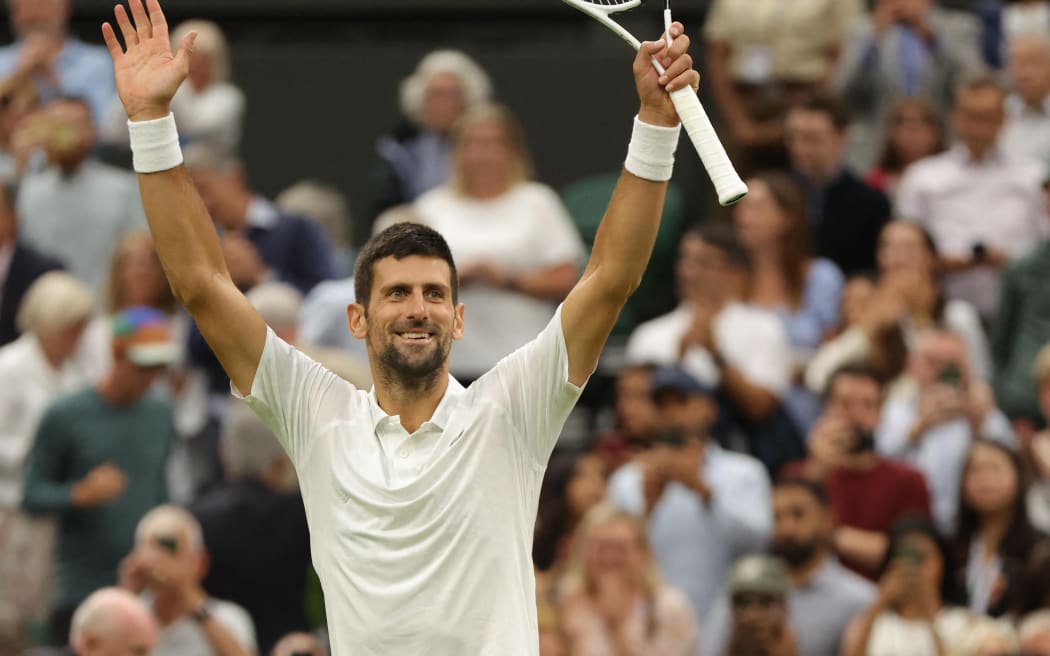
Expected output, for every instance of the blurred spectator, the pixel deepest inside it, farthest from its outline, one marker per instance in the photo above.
(822, 596)
(77, 208)
(635, 414)
(20, 266)
(1027, 130)
(889, 315)
(98, 460)
(168, 561)
(903, 49)
(932, 426)
(255, 529)
(760, 55)
(987, 637)
(994, 537)
(18, 100)
(35, 369)
(803, 291)
(758, 588)
(705, 506)
(111, 622)
(845, 215)
(614, 600)
(516, 248)
(326, 206)
(57, 63)
(208, 106)
(1034, 633)
(323, 320)
(1037, 448)
(867, 492)
(724, 342)
(1020, 330)
(914, 614)
(1033, 590)
(415, 157)
(573, 484)
(953, 194)
(553, 640)
(1026, 17)
(913, 133)
(291, 248)
(298, 644)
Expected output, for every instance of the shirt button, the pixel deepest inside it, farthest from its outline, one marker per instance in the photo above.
(403, 453)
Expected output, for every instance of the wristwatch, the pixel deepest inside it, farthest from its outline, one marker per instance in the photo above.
(201, 614)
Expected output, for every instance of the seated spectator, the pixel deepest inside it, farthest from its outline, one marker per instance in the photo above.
(902, 49)
(762, 55)
(724, 342)
(1026, 134)
(298, 644)
(705, 506)
(168, 562)
(110, 622)
(415, 157)
(97, 462)
(932, 426)
(77, 208)
(803, 291)
(915, 612)
(758, 589)
(57, 63)
(36, 368)
(906, 299)
(292, 248)
(635, 416)
(845, 215)
(914, 132)
(255, 529)
(326, 206)
(994, 537)
(516, 248)
(867, 492)
(953, 194)
(1034, 633)
(822, 596)
(613, 600)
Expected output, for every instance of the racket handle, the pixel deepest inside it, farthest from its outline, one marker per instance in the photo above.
(728, 185)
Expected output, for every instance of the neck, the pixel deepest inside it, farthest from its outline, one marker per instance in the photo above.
(413, 402)
(167, 607)
(110, 389)
(803, 574)
(978, 154)
(993, 530)
(823, 177)
(487, 189)
(51, 355)
(1036, 102)
(69, 168)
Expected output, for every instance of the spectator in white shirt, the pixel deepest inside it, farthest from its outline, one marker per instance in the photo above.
(168, 563)
(1027, 131)
(982, 205)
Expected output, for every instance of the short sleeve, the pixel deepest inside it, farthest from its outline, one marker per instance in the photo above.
(532, 383)
(236, 620)
(294, 395)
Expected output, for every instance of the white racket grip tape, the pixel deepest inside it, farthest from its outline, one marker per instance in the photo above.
(728, 185)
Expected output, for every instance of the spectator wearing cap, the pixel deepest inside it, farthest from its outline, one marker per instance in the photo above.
(823, 596)
(758, 589)
(704, 505)
(98, 462)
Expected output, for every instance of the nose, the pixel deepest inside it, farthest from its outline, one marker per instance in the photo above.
(418, 307)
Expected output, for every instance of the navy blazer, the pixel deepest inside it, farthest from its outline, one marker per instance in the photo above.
(26, 266)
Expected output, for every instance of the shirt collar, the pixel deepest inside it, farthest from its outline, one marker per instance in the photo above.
(262, 214)
(453, 393)
(961, 155)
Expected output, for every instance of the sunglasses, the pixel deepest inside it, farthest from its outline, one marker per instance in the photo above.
(750, 599)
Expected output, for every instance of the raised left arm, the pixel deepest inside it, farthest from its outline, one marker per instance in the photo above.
(625, 238)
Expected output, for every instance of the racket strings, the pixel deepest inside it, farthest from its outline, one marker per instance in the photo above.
(619, 4)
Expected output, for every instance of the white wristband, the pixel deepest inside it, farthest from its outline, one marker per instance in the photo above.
(155, 145)
(650, 155)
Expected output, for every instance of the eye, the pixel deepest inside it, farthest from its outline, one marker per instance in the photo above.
(435, 295)
(397, 292)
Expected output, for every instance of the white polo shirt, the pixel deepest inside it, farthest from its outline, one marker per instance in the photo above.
(423, 542)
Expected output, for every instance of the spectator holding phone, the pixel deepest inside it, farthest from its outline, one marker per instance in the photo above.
(168, 562)
(933, 425)
(758, 588)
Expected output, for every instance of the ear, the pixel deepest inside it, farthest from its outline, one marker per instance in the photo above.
(457, 322)
(356, 319)
(203, 564)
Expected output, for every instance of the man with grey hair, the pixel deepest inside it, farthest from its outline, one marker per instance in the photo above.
(169, 561)
(111, 622)
(1027, 131)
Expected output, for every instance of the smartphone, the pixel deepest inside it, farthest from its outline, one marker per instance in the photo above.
(951, 376)
(863, 441)
(672, 437)
(909, 553)
(168, 543)
(980, 252)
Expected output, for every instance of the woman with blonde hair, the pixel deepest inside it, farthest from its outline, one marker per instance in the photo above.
(516, 248)
(613, 600)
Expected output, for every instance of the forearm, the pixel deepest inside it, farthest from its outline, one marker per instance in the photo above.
(866, 548)
(44, 497)
(754, 402)
(858, 646)
(552, 283)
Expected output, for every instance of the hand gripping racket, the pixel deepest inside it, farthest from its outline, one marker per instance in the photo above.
(728, 185)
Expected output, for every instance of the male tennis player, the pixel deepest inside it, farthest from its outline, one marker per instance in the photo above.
(421, 495)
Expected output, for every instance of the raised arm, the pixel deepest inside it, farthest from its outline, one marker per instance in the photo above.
(147, 75)
(627, 233)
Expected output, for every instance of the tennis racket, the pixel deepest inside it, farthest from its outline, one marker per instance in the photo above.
(728, 185)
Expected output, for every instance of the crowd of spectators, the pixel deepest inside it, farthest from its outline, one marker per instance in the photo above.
(835, 441)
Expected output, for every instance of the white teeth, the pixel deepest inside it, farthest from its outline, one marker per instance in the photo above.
(414, 335)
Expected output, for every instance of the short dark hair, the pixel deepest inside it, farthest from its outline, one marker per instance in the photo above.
(722, 236)
(399, 241)
(827, 104)
(854, 370)
(815, 489)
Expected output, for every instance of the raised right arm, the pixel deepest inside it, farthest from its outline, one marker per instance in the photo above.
(147, 75)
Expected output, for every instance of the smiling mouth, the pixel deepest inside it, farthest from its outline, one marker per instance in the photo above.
(420, 337)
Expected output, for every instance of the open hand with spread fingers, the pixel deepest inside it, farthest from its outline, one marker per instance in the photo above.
(147, 72)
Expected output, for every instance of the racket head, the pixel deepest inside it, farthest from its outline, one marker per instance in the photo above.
(607, 7)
